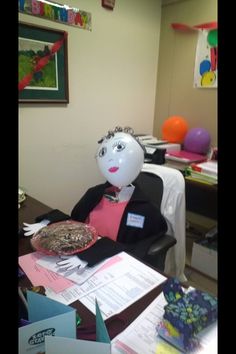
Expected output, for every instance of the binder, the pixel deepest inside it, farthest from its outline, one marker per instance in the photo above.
(185, 156)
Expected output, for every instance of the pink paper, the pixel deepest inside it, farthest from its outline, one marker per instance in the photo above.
(110, 262)
(42, 276)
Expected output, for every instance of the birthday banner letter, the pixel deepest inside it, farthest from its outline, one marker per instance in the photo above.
(52, 11)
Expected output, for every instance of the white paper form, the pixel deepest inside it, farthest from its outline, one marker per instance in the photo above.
(75, 292)
(141, 336)
(208, 339)
(117, 284)
(124, 283)
(78, 277)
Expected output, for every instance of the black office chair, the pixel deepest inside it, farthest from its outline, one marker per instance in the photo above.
(152, 186)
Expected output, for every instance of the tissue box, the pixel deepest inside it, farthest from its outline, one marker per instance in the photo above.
(204, 257)
(185, 315)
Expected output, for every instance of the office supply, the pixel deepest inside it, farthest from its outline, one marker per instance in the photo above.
(154, 155)
(102, 345)
(123, 272)
(132, 339)
(156, 149)
(47, 317)
(62, 345)
(185, 156)
(150, 140)
(80, 288)
(193, 174)
(200, 179)
(78, 277)
(170, 147)
(207, 167)
(178, 165)
(39, 275)
(120, 285)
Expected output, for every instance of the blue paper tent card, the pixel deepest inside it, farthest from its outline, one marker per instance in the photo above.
(102, 345)
(47, 318)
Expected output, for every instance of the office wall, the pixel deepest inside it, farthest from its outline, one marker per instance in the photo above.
(175, 94)
(112, 81)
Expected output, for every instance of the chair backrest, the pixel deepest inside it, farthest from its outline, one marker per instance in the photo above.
(152, 187)
(172, 205)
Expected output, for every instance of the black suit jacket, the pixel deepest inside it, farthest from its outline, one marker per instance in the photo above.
(135, 239)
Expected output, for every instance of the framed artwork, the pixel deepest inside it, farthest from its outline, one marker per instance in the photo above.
(43, 65)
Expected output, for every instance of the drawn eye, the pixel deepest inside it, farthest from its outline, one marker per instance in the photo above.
(102, 152)
(119, 146)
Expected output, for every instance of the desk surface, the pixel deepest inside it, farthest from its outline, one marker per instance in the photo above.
(27, 213)
(201, 198)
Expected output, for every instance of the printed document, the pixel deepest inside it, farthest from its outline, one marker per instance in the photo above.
(124, 283)
(115, 286)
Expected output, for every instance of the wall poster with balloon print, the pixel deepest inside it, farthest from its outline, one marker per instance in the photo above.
(205, 73)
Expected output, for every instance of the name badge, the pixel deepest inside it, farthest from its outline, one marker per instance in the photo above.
(135, 220)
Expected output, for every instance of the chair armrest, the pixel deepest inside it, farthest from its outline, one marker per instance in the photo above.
(161, 245)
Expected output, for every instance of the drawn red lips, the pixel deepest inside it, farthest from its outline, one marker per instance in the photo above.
(113, 169)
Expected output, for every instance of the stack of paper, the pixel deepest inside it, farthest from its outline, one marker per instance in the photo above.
(116, 282)
(209, 168)
(169, 147)
(150, 140)
(185, 156)
(200, 176)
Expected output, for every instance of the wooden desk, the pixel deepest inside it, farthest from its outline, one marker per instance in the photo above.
(27, 213)
(201, 198)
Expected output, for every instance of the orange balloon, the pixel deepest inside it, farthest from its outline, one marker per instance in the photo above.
(174, 129)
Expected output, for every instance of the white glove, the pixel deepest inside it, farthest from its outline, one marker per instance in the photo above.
(71, 263)
(31, 229)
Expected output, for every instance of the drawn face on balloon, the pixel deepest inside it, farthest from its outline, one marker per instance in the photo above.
(120, 159)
